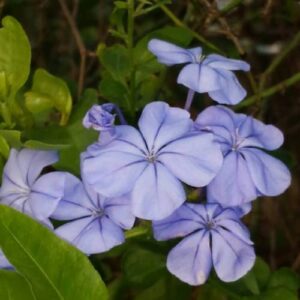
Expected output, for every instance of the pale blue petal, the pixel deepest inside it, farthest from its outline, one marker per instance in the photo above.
(160, 124)
(75, 202)
(4, 263)
(220, 121)
(185, 220)
(230, 90)
(257, 134)
(270, 176)
(170, 54)
(157, 193)
(119, 211)
(217, 61)
(232, 258)
(233, 185)
(190, 260)
(32, 162)
(199, 78)
(113, 173)
(46, 193)
(92, 235)
(194, 159)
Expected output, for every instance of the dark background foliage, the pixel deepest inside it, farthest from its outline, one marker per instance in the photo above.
(65, 35)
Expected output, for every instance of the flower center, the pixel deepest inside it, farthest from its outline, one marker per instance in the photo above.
(98, 213)
(151, 157)
(210, 225)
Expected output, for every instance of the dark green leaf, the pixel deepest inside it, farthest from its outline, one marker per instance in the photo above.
(143, 267)
(55, 269)
(116, 61)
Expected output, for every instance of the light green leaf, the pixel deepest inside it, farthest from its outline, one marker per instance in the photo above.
(13, 137)
(14, 286)
(15, 56)
(4, 147)
(49, 91)
(54, 268)
(44, 146)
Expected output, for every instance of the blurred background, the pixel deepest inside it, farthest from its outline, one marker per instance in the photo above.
(66, 37)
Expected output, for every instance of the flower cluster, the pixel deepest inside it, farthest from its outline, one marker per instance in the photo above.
(145, 172)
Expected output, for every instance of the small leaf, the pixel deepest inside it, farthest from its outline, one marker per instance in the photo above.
(44, 146)
(49, 91)
(54, 268)
(15, 55)
(116, 61)
(286, 278)
(14, 286)
(4, 147)
(13, 137)
(113, 90)
(143, 267)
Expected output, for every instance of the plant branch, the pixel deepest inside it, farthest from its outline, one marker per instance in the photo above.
(80, 45)
(270, 91)
(195, 34)
(279, 58)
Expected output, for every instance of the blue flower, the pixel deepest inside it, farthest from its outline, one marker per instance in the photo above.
(25, 190)
(96, 221)
(151, 163)
(247, 170)
(100, 117)
(210, 74)
(213, 236)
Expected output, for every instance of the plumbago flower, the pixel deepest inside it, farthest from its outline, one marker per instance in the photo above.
(100, 117)
(247, 170)
(25, 190)
(96, 221)
(213, 236)
(151, 163)
(210, 74)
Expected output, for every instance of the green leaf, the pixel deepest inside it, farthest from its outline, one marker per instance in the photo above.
(4, 147)
(286, 278)
(142, 267)
(116, 61)
(74, 135)
(44, 146)
(113, 90)
(278, 293)
(13, 137)
(54, 268)
(261, 272)
(49, 91)
(14, 286)
(15, 56)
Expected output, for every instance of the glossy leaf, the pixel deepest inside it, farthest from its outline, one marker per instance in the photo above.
(14, 286)
(49, 91)
(15, 56)
(54, 268)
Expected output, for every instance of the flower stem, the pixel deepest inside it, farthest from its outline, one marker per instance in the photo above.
(189, 100)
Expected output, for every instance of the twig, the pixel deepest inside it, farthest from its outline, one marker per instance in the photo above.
(279, 59)
(226, 30)
(195, 34)
(80, 45)
(270, 91)
(296, 263)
